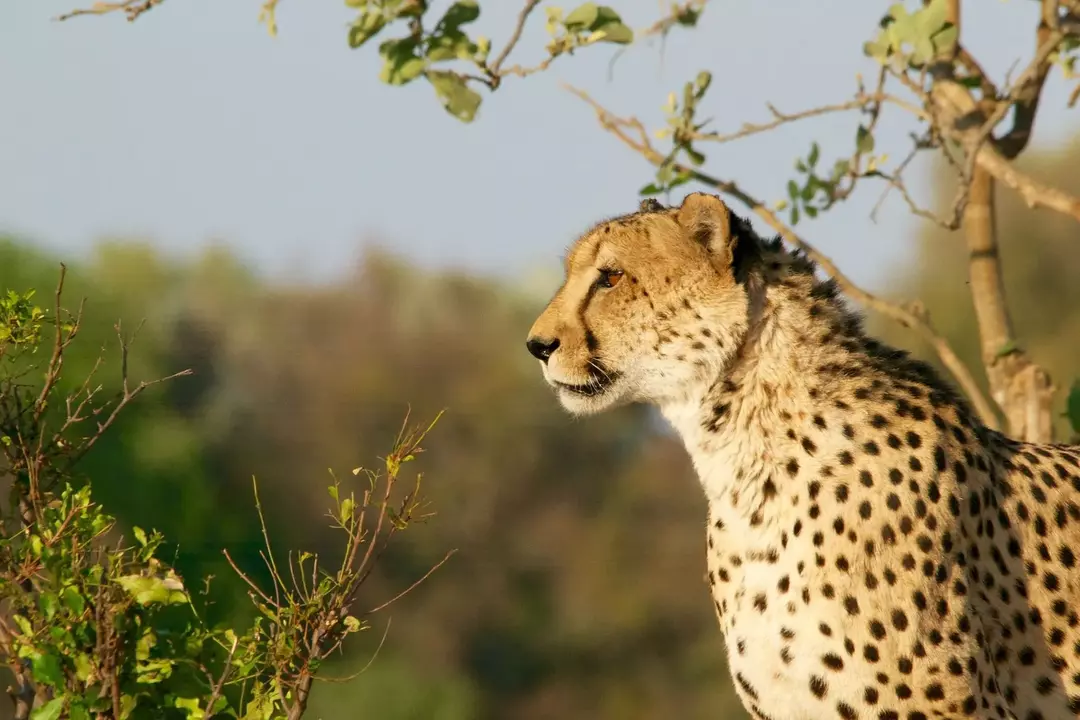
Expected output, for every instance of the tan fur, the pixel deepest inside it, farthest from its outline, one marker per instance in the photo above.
(873, 550)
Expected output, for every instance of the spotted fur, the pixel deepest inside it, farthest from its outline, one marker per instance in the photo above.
(873, 551)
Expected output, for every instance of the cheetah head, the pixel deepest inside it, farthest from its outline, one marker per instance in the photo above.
(653, 305)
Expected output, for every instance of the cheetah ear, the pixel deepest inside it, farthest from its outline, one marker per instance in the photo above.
(709, 222)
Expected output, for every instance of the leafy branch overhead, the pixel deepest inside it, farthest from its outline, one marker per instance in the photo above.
(450, 59)
(923, 70)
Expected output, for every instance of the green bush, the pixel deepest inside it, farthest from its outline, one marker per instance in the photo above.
(96, 625)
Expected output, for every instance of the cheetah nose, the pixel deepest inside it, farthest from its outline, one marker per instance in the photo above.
(541, 348)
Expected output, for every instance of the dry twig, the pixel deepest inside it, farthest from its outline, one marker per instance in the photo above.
(131, 8)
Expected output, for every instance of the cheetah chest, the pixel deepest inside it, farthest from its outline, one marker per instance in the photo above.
(783, 651)
(805, 641)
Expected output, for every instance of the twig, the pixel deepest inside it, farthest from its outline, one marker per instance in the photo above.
(217, 686)
(951, 102)
(409, 589)
(859, 102)
(677, 13)
(1028, 88)
(243, 576)
(132, 9)
(515, 36)
(912, 320)
(367, 665)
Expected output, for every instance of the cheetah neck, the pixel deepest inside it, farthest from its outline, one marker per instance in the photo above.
(759, 432)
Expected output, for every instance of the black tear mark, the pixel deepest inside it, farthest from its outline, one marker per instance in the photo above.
(591, 343)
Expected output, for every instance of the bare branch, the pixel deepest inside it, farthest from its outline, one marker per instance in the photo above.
(220, 683)
(860, 102)
(131, 8)
(1021, 389)
(412, 587)
(625, 129)
(1028, 89)
(515, 36)
(958, 116)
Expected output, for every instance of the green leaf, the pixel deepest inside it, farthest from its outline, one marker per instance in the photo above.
(702, 82)
(924, 51)
(49, 603)
(688, 17)
(931, 18)
(347, 507)
(457, 98)
(1072, 406)
(73, 600)
(815, 153)
(152, 672)
(24, 625)
(695, 157)
(366, 27)
(945, 40)
(792, 189)
(351, 624)
(582, 17)
(49, 711)
(650, 189)
(460, 13)
(449, 46)
(864, 141)
(153, 590)
(400, 63)
(614, 32)
(140, 535)
(47, 670)
(83, 666)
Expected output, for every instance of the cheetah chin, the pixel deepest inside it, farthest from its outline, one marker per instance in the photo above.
(874, 552)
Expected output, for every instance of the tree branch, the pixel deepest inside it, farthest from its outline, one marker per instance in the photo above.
(958, 117)
(131, 8)
(1021, 389)
(633, 134)
(515, 36)
(860, 102)
(1028, 88)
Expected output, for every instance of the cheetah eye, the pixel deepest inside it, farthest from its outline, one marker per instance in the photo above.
(609, 278)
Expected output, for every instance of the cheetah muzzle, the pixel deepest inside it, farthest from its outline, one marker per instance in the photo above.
(874, 551)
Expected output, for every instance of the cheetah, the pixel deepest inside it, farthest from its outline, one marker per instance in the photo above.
(873, 550)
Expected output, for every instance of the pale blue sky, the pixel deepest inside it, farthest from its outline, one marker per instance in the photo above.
(193, 125)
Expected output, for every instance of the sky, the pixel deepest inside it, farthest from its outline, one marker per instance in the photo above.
(192, 126)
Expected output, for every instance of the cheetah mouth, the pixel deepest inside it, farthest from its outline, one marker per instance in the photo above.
(597, 385)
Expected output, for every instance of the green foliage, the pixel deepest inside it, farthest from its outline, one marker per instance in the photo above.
(682, 128)
(20, 321)
(99, 626)
(586, 24)
(447, 55)
(102, 620)
(913, 38)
